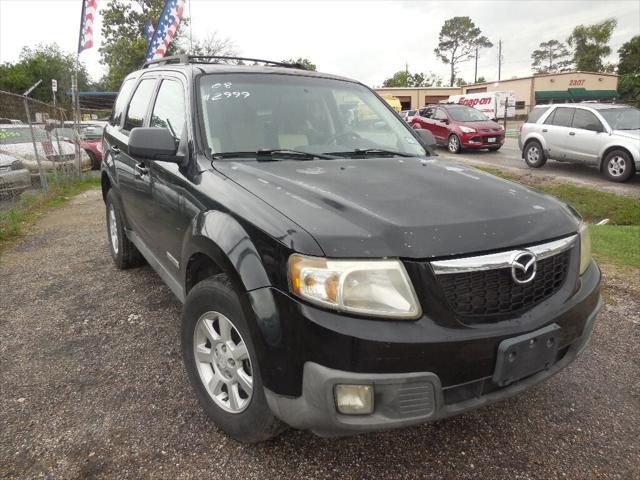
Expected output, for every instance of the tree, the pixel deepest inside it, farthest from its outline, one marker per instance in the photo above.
(590, 43)
(44, 62)
(481, 80)
(551, 57)
(460, 82)
(305, 62)
(459, 37)
(403, 78)
(211, 45)
(629, 70)
(123, 41)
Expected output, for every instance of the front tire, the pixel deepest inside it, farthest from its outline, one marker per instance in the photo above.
(124, 253)
(221, 362)
(453, 145)
(534, 155)
(618, 166)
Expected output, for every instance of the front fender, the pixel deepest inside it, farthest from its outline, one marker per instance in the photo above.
(219, 236)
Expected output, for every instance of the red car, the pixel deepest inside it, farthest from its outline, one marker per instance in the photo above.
(90, 140)
(459, 127)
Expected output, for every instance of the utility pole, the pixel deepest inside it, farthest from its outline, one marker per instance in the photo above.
(499, 58)
(475, 73)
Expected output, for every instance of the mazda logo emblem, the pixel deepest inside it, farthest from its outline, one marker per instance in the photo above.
(523, 267)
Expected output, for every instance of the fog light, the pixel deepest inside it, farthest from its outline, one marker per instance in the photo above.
(354, 399)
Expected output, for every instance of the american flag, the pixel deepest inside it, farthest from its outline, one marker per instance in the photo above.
(89, 8)
(148, 32)
(166, 29)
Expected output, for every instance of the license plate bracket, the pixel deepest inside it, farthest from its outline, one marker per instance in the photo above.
(524, 355)
(491, 139)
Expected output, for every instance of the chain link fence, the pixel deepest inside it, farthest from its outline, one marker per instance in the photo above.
(41, 147)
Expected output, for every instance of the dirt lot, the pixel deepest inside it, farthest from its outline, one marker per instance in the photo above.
(92, 385)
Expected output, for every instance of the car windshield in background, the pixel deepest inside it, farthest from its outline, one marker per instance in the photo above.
(622, 118)
(252, 112)
(467, 114)
(12, 136)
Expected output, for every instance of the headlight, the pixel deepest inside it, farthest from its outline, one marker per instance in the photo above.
(585, 247)
(468, 129)
(17, 165)
(367, 287)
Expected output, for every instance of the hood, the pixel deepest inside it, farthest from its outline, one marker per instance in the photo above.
(634, 134)
(410, 208)
(6, 160)
(25, 150)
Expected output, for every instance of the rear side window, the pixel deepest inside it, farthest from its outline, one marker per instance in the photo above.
(139, 104)
(535, 114)
(586, 120)
(440, 115)
(562, 117)
(121, 102)
(169, 110)
(426, 112)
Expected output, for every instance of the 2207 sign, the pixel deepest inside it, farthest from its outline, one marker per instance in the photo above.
(576, 83)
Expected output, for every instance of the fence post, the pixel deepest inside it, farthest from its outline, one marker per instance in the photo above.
(43, 177)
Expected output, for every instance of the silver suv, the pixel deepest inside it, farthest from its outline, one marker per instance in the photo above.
(603, 135)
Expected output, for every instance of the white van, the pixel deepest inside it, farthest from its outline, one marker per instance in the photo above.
(490, 103)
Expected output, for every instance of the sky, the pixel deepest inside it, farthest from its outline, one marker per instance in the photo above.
(367, 40)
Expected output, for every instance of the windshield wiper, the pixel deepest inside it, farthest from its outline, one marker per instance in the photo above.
(371, 151)
(271, 154)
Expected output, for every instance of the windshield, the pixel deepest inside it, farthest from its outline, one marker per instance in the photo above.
(251, 112)
(12, 136)
(466, 114)
(622, 118)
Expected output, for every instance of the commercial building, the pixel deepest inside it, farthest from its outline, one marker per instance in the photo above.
(565, 87)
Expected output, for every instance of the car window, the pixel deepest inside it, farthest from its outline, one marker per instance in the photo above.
(535, 114)
(561, 117)
(169, 109)
(586, 120)
(462, 113)
(139, 104)
(427, 112)
(625, 118)
(411, 113)
(121, 102)
(439, 115)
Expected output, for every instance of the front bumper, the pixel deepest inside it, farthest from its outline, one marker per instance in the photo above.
(401, 399)
(14, 181)
(481, 140)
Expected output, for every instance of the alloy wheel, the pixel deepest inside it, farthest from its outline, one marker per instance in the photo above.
(453, 144)
(616, 166)
(113, 229)
(223, 362)
(533, 154)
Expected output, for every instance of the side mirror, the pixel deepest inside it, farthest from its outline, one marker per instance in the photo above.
(426, 137)
(444, 120)
(154, 144)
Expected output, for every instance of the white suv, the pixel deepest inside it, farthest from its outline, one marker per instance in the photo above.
(603, 135)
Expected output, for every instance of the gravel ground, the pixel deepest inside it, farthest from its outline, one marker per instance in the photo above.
(92, 385)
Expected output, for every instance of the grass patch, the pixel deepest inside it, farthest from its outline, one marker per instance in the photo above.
(616, 244)
(30, 205)
(592, 204)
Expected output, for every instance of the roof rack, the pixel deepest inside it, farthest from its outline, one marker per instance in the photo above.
(187, 59)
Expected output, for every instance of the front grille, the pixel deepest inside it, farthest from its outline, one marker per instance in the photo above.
(487, 293)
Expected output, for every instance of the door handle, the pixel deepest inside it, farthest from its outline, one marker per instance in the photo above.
(544, 130)
(572, 133)
(141, 169)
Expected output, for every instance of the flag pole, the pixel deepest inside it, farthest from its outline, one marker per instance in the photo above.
(74, 93)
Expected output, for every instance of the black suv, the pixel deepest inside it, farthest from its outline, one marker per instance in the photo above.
(335, 275)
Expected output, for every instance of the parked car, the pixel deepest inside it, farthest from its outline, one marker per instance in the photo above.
(15, 140)
(10, 121)
(603, 135)
(90, 140)
(14, 178)
(459, 127)
(407, 114)
(335, 275)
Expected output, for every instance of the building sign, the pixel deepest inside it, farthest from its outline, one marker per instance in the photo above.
(576, 83)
